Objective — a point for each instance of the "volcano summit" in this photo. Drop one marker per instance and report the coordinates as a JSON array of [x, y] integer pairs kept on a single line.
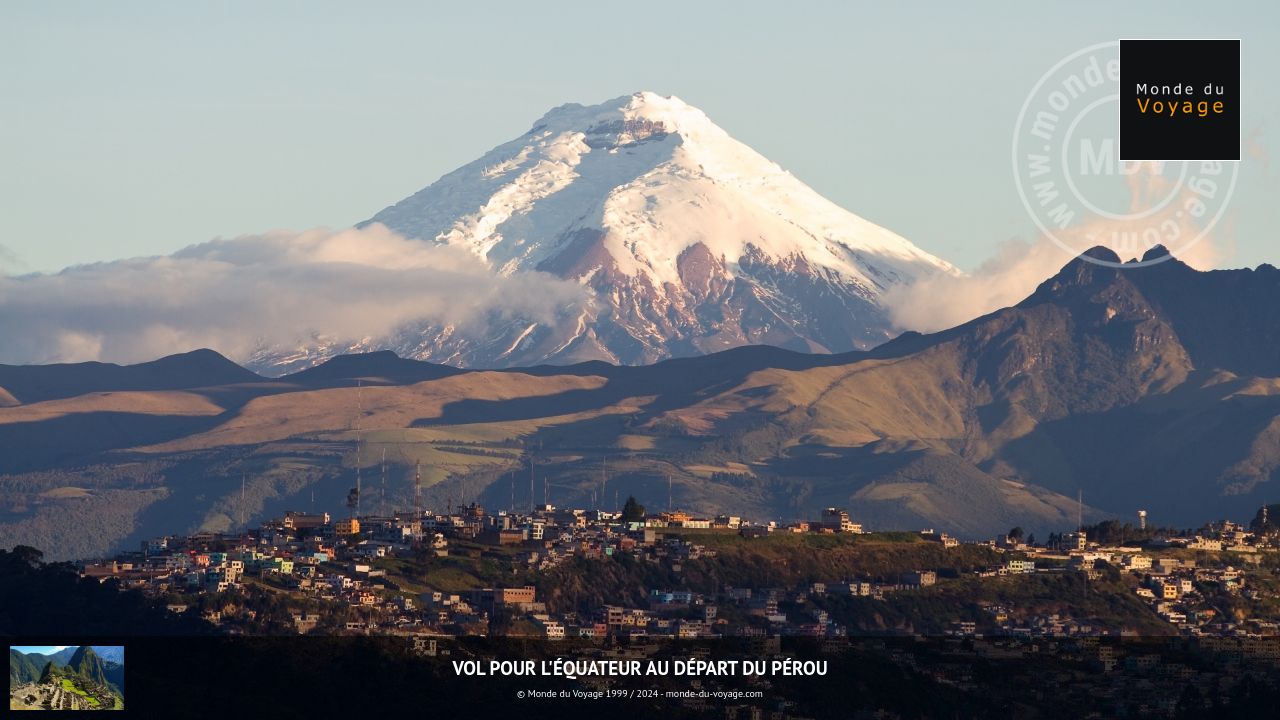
[[686, 242]]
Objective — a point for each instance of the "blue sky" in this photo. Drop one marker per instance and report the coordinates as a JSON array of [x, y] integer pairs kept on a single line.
[[137, 128], [41, 649]]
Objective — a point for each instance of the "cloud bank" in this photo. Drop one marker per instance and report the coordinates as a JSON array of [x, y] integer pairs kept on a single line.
[[944, 301], [280, 289]]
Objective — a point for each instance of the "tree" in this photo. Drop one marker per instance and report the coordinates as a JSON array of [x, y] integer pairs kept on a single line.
[[1266, 520], [27, 555], [632, 511]]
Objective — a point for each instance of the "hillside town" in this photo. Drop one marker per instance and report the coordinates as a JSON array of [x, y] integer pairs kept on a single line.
[[356, 575]]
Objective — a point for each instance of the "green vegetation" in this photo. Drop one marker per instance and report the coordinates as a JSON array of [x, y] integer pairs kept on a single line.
[[1113, 532], [781, 560], [22, 669], [468, 566], [632, 511], [70, 686]]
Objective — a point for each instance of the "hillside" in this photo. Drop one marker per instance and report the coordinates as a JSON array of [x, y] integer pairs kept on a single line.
[[24, 668], [200, 368]]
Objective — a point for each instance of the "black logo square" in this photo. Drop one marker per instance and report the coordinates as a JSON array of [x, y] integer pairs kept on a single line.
[[1179, 99]]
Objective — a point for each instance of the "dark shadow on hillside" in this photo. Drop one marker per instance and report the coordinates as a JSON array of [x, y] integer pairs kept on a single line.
[[676, 383], [72, 439], [376, 368], [1156, 455], [196, 369]]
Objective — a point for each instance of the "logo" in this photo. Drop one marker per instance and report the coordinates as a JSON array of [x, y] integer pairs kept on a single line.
[[1180, 99], [1080, 194]]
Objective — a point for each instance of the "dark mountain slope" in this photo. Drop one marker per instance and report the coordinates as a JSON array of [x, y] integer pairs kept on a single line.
[[86, 663], [24, 668], [1226, 319], [381, 367], [195, 369]]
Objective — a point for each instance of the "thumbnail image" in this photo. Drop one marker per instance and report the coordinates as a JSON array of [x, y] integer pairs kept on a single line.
[[71, 677]]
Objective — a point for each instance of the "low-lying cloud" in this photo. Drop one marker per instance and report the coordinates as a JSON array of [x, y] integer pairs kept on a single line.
[[276, 290], [943, 301]]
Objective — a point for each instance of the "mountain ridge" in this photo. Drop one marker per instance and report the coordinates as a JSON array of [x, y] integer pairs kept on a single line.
[[1104, 381], [196, 368]]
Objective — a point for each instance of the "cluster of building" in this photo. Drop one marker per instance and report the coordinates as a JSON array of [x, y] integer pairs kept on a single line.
[[320, 560], [1178, 589], [314, 556]]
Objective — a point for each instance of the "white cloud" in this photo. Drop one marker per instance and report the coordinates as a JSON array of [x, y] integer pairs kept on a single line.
[[944, 301], [276, 289]]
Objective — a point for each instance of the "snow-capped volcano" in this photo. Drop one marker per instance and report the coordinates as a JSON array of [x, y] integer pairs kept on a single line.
[[687, 240]]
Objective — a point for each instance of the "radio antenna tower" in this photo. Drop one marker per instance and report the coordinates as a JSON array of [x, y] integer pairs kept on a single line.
[[417, 489], [382, 499], [359, 412], [242, 474], [1079, 510]]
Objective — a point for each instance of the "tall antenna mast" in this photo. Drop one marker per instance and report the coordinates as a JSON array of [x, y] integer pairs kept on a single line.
[[417, 488], [1079, 509], [359, 412], [242, 474], [531, 483], [382, 500], [668, 492], [604, 478]]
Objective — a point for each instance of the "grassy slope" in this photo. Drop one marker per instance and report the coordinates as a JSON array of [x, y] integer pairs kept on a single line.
[[134, 403], [70, 686]]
